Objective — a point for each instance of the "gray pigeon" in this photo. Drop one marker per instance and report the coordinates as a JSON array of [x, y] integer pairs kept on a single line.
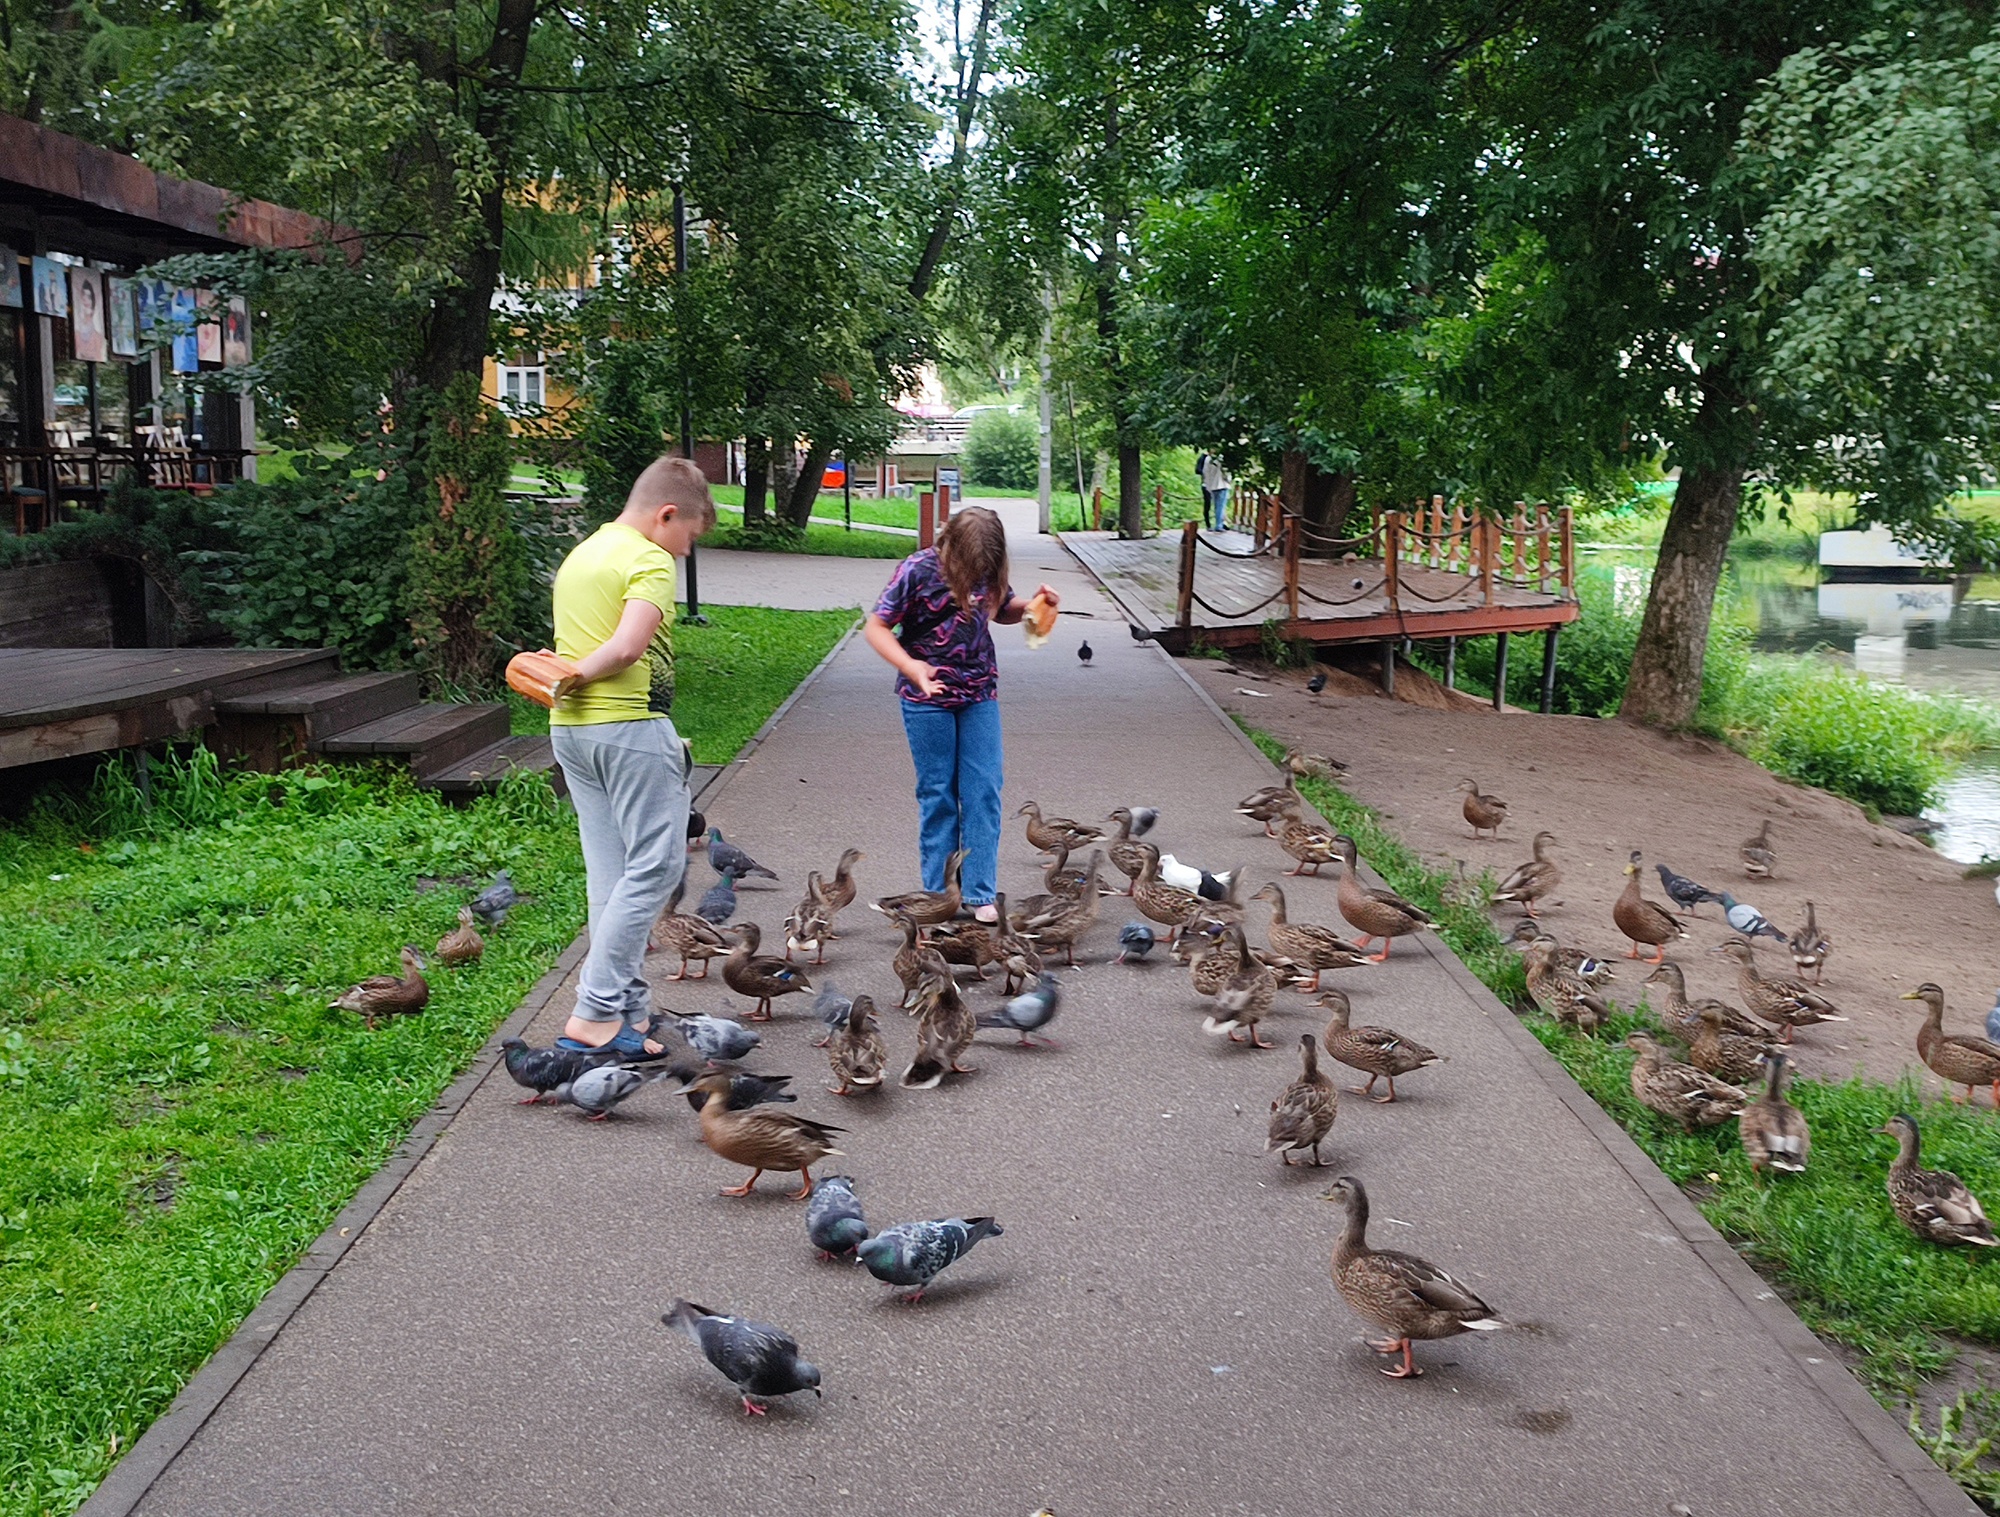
[[542, 1070], [1029, 1011], [726, 858], [831, 1006], [759, 1359], [1747, 920], [1682, 891], [1143, 818], [493, 903], [916, 1253], [834, 1224], [1993, 1021], [745, 1089], [1135, 941], [716, 1038], [719, 905], [600, 1089]]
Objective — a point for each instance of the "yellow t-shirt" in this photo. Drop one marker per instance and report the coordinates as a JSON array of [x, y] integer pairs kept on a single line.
[[611, 566]]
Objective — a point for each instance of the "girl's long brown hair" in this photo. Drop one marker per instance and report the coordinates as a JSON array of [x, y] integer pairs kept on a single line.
[[972, 556]]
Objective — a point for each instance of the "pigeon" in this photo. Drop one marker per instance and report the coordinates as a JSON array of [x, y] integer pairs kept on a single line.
[[716, 1038], [831, 1006], [1748, 920], [1993, 1020], [600, 1089], [1029, 1011], [493, 903], [1682, 891], [719, 905], [759, 1359], [1143, 818], [1210, 887], [745, 1090], [697, 832], [1135, 941], [729, 860], [913, 1254], [1317, 683], [1083, 653], [834, 1224], [543, 1069]]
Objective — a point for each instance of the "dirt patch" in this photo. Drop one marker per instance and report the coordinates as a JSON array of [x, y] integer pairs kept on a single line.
[[1897, 913]]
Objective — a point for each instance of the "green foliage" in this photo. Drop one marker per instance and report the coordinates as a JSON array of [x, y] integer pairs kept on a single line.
[[468, 569], [154, 529], [818, 538], [624, 426], [1001, 451], [181, 1113]]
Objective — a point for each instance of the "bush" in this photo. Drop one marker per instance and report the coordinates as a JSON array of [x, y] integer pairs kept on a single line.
[[1001, 451]]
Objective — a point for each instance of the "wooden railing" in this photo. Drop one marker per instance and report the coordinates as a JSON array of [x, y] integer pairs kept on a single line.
[[34, 481]]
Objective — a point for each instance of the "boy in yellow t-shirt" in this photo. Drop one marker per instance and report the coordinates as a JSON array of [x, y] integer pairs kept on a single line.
[[613, 736]]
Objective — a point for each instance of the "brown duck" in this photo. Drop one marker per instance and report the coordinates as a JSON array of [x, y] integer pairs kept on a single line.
[[1680, 1092], [760, 1137], [1484, 812], [1641, 920], [1683, 1016], [838, 892], [1561, 992], [1303, 1114], [945, 1029], [810, 925], [1064, 924], [1169, 905], [1532, 881], [928, 907], [1270, 803], [1307, 842], [915, 962], [1127, 853], [1957, 1058], [1773, 1131], [1593, 971], [1783, 1000], [1308, 945], [387, 995], [1760, 861], [690, 936], [1409, 1297], [1059, 879], [856, 1052], [1374, 913], [1245, 997], [1727, 1055], [760, 976], [1810, 946], [1375, 1051], [1933, 1203], [967, 943], [463, 944], [1046, 834]]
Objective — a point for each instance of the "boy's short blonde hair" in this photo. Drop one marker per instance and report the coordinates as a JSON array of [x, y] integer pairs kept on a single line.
[[677, 481]]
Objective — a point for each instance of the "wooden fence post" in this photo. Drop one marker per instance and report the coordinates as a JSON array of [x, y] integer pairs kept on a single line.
[[1184, 607], [1159, 505], [1097, 510], [1566, 522], [1542, 548], [1291, 529], [1392, 551], [1485, 539], [1499, 671], [926, 519]]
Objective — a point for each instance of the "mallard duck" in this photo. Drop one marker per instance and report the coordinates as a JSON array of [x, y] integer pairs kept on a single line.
[[856, 1052], [1268, 804], [1683, 1016], [810, 925], [838, 892], [1169, 905], [1245, 997], [1375, 1051], [915, 962], [1306, 944], [1484, 812], [1045, 834], [760, 976], [1680, 1092], [928, 907], [1303, 1114], [1956, 1058], [1127, 853], [1019, 963], [1058, 879], [967, 943], [1064, 923], [463, 944], [1760, 862], [1313, 766], [760, 1138], [1306, 841], [386, 995], [1592, 970], [1561, 993], [1932, 1203], [1374, 913], [1531, 881], [1408, 1296], [1780, 999], [1202, 948], [690, 936], [1726, 1055], [1772, 1129], [1641, 920], [945, 1029], [1810, 946]]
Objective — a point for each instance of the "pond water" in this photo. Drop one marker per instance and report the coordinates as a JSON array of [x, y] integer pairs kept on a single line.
[[1942, 636]]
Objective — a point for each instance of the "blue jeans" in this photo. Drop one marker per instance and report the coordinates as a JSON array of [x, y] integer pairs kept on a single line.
[[1220, 499], [959, 773]]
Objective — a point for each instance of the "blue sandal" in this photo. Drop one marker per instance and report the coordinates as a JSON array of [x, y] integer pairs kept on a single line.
[[629, 1046]]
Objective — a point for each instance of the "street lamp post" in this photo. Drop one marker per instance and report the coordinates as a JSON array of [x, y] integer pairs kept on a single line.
[[694, 617]]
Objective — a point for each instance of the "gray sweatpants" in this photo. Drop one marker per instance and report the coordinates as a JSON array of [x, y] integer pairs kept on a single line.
[[629, 783]]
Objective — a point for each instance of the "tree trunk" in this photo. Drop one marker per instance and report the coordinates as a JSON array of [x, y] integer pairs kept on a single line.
[[1664, 687], [460, 332], [805, 489], [756, 474], [1320, 498], [1131, 521]]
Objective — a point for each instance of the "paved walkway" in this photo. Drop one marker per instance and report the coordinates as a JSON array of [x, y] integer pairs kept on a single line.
[[1154, 1334]]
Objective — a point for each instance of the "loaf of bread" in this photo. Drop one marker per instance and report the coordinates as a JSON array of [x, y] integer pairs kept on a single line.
[[543, 678], [1039, 620]]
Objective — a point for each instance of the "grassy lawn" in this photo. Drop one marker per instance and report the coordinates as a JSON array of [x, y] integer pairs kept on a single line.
[[1827, 1239], [827, 541]]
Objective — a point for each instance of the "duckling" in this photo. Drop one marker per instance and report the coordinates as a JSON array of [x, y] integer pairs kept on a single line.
[[690, 936], [760, 976], [1377, 913], [1773, 1130], [463, 944], [1680, 1092], [1375, 1051], [759, 1138], [1810, 946], [945, 1029], [857, 1053], [1245, 997], [1592, 970], [1046, 833], [1306, 944], [1641, 920], [1957, 1058], [1066, 922], [1530, 882], [1169, 905], [1560, 993], [1683, 1016], [1932, 1203], [928, 907], [1410, 1297], [1310, 844], [1303, 1114], [1484, 812], [1779, 999], [1760, 861], [1268, 804], [1727, 1055], [385, 995]]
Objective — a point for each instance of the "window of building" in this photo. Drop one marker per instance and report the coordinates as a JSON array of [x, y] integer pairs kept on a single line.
[[522, 387]]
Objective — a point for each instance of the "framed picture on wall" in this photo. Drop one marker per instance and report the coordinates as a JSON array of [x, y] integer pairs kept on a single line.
[[149, 304], [51, 289], [86, 324], [10, 277], [236, 333], [121, 309], [209, 333], [187, 346]]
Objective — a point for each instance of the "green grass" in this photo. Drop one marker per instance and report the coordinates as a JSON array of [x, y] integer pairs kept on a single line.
[[1826, 1239], [825, 541], [180, 1111]]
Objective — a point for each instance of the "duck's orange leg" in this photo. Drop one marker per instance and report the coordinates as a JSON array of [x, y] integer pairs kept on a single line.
[[805, 1187], [745, 1187]]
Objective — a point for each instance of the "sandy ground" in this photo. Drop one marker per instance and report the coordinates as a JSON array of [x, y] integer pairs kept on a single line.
[[1897, 913]]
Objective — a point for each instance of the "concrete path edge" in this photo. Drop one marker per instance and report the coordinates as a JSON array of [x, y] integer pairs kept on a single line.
[[121, 1491]]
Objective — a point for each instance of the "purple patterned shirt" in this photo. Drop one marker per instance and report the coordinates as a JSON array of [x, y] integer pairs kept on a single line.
[[931, 627]]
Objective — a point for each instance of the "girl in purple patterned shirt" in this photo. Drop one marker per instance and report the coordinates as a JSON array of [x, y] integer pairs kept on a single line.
[[930, 625]]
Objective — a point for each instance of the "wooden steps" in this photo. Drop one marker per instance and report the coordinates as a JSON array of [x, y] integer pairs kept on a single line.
[[430, 737], [527, 751]]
